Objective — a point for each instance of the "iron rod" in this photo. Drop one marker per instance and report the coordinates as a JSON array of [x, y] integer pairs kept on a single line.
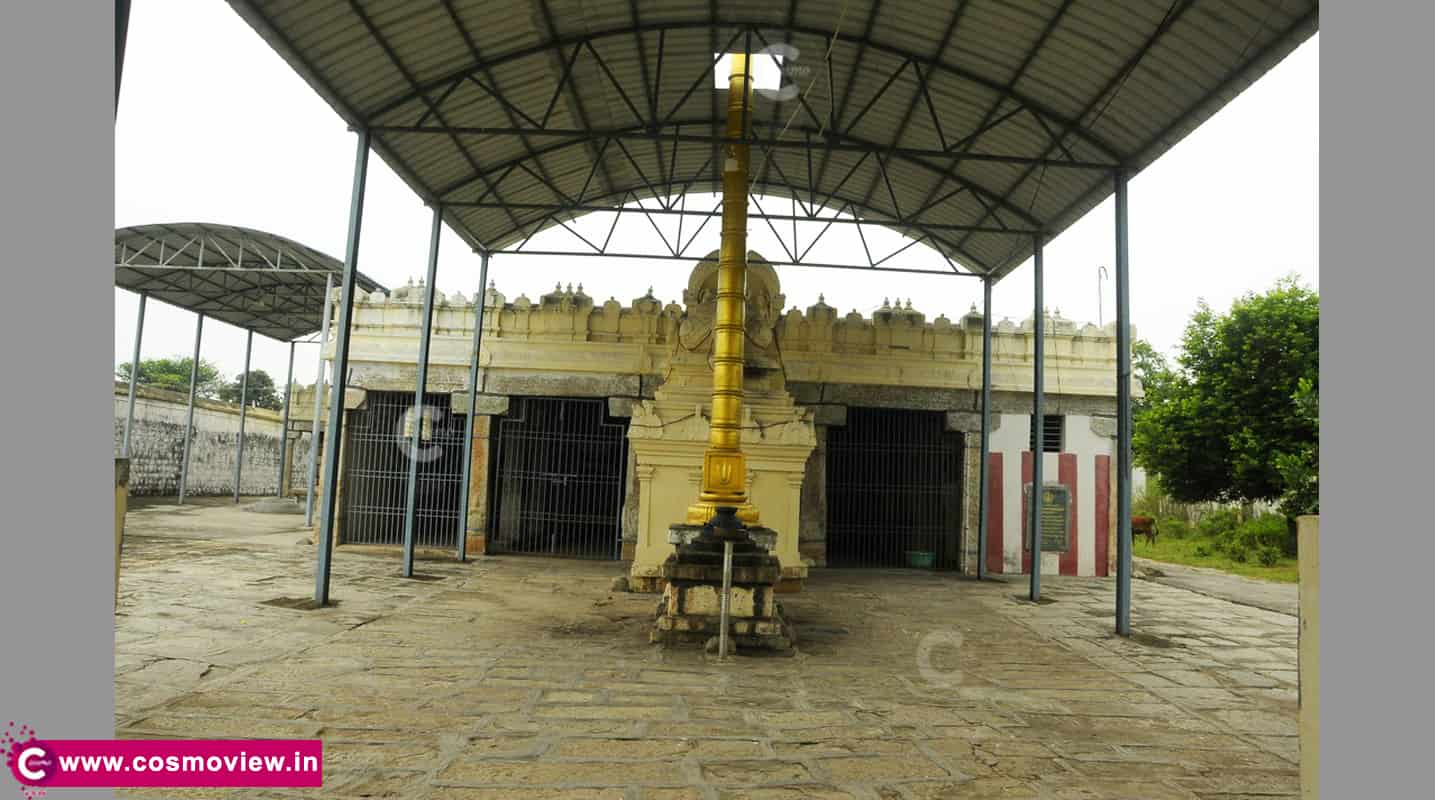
[[243, 408], [189, 414], [325, 548], [591, 207], [315, 423], [134, 377], [726, 598], [1037, 421], [420, 384], [833, 141], [1123, 412], [689, 259], [478, 302], [985, 468], [284, 425]]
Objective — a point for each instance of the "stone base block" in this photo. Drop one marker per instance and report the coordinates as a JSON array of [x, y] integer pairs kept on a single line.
[[475, 545], [690, 611], [646, 584]]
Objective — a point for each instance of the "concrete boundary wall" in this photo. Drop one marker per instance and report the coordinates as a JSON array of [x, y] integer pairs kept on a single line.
[[157, 445]]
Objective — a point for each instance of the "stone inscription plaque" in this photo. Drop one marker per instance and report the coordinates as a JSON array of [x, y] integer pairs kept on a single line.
[[1055, 518]]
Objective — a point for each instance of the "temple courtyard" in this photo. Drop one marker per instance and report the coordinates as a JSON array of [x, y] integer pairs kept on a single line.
[[526, 677]]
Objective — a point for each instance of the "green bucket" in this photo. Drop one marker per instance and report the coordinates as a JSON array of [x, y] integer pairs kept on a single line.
[[921, 559]]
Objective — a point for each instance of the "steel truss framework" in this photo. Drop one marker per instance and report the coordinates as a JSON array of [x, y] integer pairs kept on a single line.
[[255, 280], [978, 131]]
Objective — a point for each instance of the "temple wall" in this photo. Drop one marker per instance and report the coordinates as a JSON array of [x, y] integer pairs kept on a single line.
[[820, 364]]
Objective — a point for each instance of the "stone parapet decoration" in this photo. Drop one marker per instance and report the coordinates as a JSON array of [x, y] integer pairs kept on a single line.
[[896, 346]]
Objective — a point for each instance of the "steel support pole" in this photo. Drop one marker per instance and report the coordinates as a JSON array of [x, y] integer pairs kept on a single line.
[[284, 425], [134, 378], [189, 415], [1038, 412], [421, 383], [1123, 412], [478, 301], [122, 27], [243, 408], [315, 423], [985, 467], [325, 543]]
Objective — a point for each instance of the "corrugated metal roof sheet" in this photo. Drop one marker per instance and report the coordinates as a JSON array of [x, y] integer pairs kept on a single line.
[[256, 280], [613, 82]]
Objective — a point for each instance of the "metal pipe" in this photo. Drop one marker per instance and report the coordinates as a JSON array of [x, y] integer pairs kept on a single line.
[[315, 424], [1123, 412], [1038, 413], [724, 475], [325, 549], [421, 383], [243, 407], [985, 467], [478, 301], [284, 425], [726, 598], [189, 415], [134, 377]]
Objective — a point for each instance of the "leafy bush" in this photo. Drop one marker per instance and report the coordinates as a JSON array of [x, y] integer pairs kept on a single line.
[[1202, 551], [1217, 524], [1238, 554], [1267, 530], [1268, 556], [1175, 528]]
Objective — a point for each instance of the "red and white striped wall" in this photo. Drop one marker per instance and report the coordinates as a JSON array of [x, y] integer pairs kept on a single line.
[[1083, 467]]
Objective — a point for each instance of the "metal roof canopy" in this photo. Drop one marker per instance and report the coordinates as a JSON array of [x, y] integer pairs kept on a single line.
[[972, 127], [255, 280]]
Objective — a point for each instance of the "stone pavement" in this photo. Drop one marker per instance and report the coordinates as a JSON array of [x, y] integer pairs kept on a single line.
[[527, 678], [1270, 595]]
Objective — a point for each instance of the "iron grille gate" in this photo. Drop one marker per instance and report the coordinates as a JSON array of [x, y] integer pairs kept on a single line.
[[376, 474], [893, 488], [560, 467]]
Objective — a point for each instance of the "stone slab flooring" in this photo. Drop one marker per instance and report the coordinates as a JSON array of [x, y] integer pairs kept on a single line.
[[528, 678]]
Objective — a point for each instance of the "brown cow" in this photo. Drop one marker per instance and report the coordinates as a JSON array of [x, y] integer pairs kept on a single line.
[[1144, 526]]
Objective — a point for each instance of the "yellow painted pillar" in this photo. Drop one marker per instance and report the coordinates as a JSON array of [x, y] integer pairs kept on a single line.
[[724, 479]]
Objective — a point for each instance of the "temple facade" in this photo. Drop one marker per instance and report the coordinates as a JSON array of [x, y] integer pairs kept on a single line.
[[862, 433]]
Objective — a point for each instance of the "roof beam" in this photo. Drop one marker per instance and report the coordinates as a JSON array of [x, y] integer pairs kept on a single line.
[[561, 43]]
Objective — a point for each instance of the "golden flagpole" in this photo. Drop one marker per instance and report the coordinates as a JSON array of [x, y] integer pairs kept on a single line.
[[724, 481]]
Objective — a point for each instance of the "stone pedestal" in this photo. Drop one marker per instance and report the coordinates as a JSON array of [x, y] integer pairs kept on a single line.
[[690, 611]]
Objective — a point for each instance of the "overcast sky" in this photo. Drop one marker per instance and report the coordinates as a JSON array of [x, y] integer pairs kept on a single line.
[[214, 127]]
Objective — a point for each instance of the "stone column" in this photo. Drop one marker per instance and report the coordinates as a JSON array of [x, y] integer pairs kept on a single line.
[[969, 425], [485, 408], [478, 486], [812, 519]]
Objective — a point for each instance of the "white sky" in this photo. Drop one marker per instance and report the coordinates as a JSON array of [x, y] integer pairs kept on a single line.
[[213, 126]]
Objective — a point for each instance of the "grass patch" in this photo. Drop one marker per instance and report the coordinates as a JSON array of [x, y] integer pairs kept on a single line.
[[1185, 551]]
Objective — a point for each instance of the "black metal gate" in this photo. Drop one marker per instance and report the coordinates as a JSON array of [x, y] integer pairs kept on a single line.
[[559, 489], [378, 452], [893, 490]]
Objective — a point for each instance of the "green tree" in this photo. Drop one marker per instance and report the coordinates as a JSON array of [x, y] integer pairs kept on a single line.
[[1151, 369], [260, 391], [1236, 421], [1301, 469], [173, 374]]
